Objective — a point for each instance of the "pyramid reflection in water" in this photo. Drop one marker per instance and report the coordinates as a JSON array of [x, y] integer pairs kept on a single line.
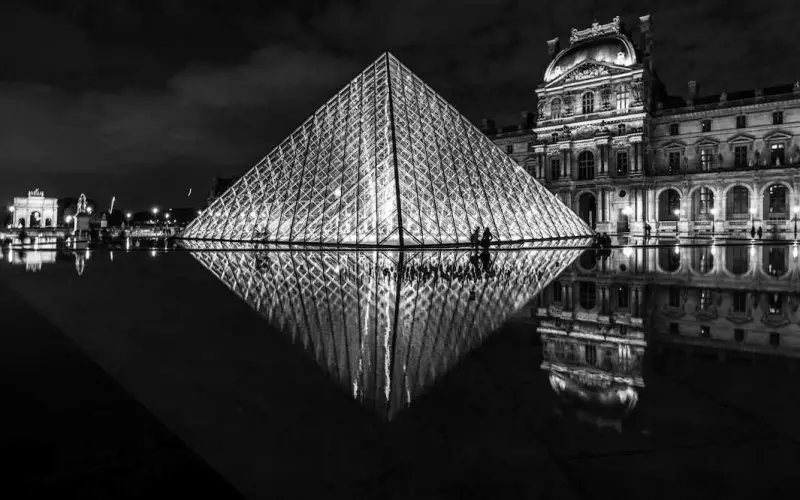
[[385, 325], [386, 162]]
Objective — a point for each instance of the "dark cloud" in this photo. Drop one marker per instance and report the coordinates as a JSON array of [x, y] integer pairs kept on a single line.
[[146, 101]]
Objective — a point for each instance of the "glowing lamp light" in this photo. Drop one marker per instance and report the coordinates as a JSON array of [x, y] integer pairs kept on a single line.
[[677, 250], [627, 210], [153, 252], [154, 210], [128, 215], [68, 219], [627, 251], [11, 209], [752, 210], [167, 215], [752, 251], [713, 211], [89, 210], [676, 212], [796, 210], [199, 212], [794, 251]]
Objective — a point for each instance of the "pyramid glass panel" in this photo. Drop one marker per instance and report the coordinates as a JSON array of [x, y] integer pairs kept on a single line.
[[386, 162], [384, 324]]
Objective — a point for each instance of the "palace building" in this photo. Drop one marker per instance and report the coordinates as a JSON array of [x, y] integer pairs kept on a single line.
[[622, 153]]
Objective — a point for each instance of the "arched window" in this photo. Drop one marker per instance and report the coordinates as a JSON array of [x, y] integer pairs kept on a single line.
[[737, 203], [586, 166], [622, 98], [776, 206], [555, 108], [588, 103], [621, 129]]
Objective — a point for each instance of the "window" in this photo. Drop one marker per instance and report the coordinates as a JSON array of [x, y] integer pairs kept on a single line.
[[776, 199], [741, 121], [510, 148], [554, 136], [586, 294], [621, 129], [622, 98], [705, 126], [623, 329], [738, 335], [586, 166], [739, 302], [591, 354], [588, 103], [555, 109], [674, 329], [706, 159], [674, 129], [555, 168], [776, 155], [705, 201], [774, 339], [556, 291], [777, 118], [674, 161], [622, 163], [674, 296], [737, 259], [705, 331], [706, 298], [740, 156], [622, 297], [738, 202]]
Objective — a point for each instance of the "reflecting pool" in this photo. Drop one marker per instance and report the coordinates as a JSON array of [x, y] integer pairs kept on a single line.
[[526, 372]]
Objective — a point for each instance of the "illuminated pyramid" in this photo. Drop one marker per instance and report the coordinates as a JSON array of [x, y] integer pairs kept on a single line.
[[386, 161]]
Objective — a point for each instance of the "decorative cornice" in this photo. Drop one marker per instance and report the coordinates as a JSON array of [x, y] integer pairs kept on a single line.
[[596, 30], [727, 110]]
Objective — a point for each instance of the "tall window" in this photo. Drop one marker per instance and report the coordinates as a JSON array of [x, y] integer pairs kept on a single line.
[[738, 204], [777, 118], [740, 156], [588, 103], [622, 98], [737, 259], [555, 108], [674, 129], [555, 168], [586, 166], [554, 136], [706, 298], [587, 294], [622, 296], [510, 148], [705, 125], [674, 161], [556, 291], [706, 159], [621, 129], [776, 155], [622, 163], [741, 121], [674, 296], [776, 200], [739, 302], [705, 201]]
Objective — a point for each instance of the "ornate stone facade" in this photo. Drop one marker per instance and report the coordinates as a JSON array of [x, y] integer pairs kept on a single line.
[[35, 210], [623, 153]]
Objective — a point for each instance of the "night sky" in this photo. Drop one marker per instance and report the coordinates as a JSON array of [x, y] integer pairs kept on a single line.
[[111, 98]]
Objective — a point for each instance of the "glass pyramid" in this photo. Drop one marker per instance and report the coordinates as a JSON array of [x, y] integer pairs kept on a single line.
[[384, 324], [386, 162]]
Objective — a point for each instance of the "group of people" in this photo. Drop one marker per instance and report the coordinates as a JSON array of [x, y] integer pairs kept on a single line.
[[602, 240], [478, 241]]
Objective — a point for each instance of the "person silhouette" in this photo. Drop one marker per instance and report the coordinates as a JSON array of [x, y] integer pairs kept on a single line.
[[760, 232], [487, 238], [476, 238]]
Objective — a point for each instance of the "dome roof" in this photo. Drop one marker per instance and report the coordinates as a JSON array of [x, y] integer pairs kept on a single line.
[[618, 398], [616, 50]]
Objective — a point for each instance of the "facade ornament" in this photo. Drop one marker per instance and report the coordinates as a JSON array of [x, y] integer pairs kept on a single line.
[[36, 193], [614, 27], [587, 71], [796, 86], [723, 97], [636, 90], [759, 92], [540, 108]]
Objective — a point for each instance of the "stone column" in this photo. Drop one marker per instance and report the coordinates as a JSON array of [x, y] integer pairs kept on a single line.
[[564, 157]]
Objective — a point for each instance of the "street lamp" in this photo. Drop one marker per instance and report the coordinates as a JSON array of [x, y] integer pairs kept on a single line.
[[713, 212], [752, 222]]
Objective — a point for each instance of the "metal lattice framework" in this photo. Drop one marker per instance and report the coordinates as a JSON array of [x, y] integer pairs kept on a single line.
[[386, 162], [385, 324]]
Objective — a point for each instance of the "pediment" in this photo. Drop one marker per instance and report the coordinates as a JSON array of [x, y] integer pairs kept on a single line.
[[674, 145], [741, 138], [588, 70], [707, 142], [778, 135]]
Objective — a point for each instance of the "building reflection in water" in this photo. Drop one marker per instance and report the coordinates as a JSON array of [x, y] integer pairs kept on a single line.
[[385, 324], [597, 319]]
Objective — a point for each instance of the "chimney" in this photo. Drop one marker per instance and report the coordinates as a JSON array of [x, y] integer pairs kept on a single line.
[[646, 31], [553, 47], [525, 120], [692, 92], [487, 125]]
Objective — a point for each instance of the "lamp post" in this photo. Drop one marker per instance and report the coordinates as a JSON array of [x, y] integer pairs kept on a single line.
[[713, 212], [752, 222]]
